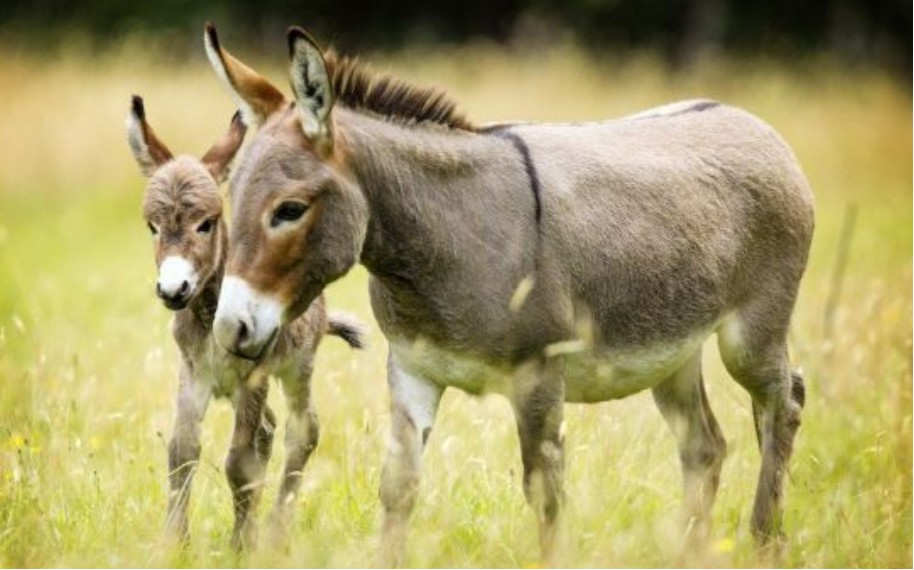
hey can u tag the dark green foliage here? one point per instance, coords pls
(860, 32)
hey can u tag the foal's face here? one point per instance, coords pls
(182, 207)
(182, 210)
(298, 219)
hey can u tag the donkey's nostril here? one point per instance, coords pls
(184, 287)
(242, 331)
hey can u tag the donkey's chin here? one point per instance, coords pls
(176, 304)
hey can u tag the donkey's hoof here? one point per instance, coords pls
(277, 530)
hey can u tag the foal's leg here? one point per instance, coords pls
(413, 405)
(184, 450)
(302, 432)
(755, 354)
(684, 405)
(247, 458)
(538, 409)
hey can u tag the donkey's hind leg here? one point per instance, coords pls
(753, 348)
(247, 459)
(702, 447)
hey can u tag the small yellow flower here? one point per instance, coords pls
(724, 545)
(95, 443)
(16, 441)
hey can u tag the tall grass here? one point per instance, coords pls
(87, 367)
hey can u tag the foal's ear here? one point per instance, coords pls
(220, 155)
(148, 150)
(312, 88)
(256, 97)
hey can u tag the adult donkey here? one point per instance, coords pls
(566, 262)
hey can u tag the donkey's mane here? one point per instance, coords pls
(359, 88)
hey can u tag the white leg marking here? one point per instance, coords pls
(416, 396)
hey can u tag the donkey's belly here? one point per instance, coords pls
(447, 367)
(590, 375)
(595, 377)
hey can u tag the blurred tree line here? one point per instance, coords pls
(858, 32)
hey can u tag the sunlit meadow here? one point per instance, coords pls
(88, 369)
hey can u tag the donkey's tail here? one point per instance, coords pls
(348, 328)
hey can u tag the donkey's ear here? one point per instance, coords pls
(256, 97)
(311, 84)
(218, 158)
(148, 150)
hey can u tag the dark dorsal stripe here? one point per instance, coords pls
(503, 131)
(696, 108)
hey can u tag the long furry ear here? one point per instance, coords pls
(256, 97)
(218, 158)
(312, 87)
(149, 152)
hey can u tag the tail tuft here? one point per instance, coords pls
(797, 388)
(348, 328)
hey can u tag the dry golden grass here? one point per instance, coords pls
(87, 367)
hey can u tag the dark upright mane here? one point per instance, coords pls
(357, 87)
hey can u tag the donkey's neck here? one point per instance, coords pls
(203, 307)
(436, 193)
(452, 227)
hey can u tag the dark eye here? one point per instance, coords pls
(206, 226)
(287, 212)
(152, 229)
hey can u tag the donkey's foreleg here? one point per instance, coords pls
(702, 447)
(302, 432)
(413, 405)
(247, 459)
(184, 450)
(538, 408)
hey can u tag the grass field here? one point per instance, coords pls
(88, 369)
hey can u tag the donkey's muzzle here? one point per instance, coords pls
(174, 299)
(246, 322)
(176, 283)
(234, 335)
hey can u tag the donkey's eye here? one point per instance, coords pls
(206, 226)
(152, 229)
(288, 212)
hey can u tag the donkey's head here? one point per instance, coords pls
(182, 207)
(299, 219)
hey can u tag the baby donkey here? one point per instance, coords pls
(183, 209)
